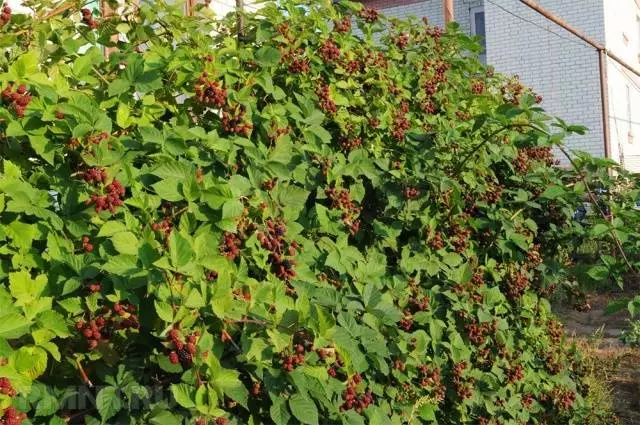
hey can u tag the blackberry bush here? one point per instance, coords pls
(333, 218)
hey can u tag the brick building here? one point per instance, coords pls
(557, 64)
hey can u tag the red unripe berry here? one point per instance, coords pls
(59, 115)
(88, 247)
(173, 357)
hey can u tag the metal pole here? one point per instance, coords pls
(604, 93)
(449, 14)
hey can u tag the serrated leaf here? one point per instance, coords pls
(304, 409)
(184, 395)
(125, 243)
(108, 403)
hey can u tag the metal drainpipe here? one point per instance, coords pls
(604, 92)
(449, 14)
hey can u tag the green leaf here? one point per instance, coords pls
(13, 326)
(184, 395)
(598, 273)
(279, 412)
(164, 310)
(23, 288)
(304, 409)
(268, 56)
(125, 243)
(229, 383)
(31, 361)
(108, 403)
(553, 192)
(180, 250)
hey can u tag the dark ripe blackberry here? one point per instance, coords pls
(186, 359)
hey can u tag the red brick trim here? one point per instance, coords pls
(385, 4)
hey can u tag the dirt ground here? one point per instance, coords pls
(625, 376)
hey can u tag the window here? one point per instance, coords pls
(478, 29)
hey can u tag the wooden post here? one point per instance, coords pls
(240, 18)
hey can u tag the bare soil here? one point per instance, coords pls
(625, 376)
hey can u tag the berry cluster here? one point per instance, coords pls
(556, 331)
(342, 25)
(464, 386)
(431, 378)
(210, 93)
(348, 144)
(6, 388)
(515, 374)
(542, 154)
(326, 103)
(477, 87)
(98, 138)
(111, 201)
(369, 15)
(277, 132)
(329, 51)
(165, 226)
(401, 123)
(183, 351)
(534, 258)
(94, 287)
(512, 89)
(460, 234)
(477, 332)
(341, 199)
(86, 244)
(302, 344)
(5, 16)
(230, 246)
(352, 399)
(517, 282)
(402, 40)
(406, 323)
(493, 194)
(411, 193)
(434, 73)
(87, 18)
(299, 65)
(435, 242)
(12, 417)
(281, 256)
(220, 420)
(563, 399)
(527, 400)
(234, 121)
(17, 100)
(268, 185)
(121, 317)
(95, 176)
(353, 66)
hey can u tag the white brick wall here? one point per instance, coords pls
(623, 38)
(562, 69)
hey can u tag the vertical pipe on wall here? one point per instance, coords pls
(604, 92)
(449, 15)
